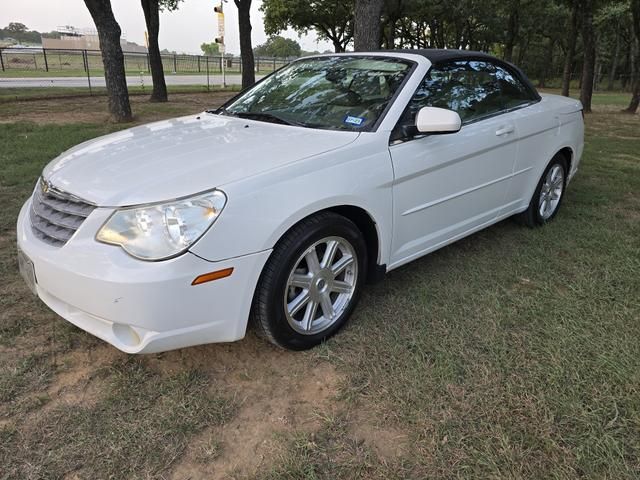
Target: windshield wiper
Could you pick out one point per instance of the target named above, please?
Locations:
(264, 117)
(217, 111)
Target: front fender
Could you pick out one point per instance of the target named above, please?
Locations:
(260, 209)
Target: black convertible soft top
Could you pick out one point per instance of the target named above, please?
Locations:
(436, 55)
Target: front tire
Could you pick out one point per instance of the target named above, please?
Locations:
(549, 193)
(311, 282)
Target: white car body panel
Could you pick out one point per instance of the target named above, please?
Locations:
(272, 202)
(178, 157)
(420, 194)
(444, 188)
(92, 284)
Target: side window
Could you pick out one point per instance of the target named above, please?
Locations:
(514, 92)
(475, 89)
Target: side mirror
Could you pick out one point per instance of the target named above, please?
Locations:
(437, 120)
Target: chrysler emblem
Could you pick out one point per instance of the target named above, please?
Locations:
(44, 186)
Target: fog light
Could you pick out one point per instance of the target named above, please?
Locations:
(126, 335)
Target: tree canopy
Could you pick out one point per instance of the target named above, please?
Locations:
(584, 42)
(20, 33)
(277, 46)
(331, 20)
(210, 48)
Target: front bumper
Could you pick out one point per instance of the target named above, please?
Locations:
(138, 306)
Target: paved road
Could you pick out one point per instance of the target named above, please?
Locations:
(132, 80)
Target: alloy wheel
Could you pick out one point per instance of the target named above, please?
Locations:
(551, 192)
(321, 285)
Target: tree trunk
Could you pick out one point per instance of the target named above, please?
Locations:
(597, 80)
(246, 51)
(112, 58)
(635, 59)
(571, 49)
(393, 11)
(522, 50)
(334, 36)
(151, 10)
(548, 64)
(589, 57)
(390, 34)
(512, 31)
(614, 63)
(367, 25)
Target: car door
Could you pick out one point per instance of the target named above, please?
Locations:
(446, 186)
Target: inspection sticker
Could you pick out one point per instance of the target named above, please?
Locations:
(357, 121)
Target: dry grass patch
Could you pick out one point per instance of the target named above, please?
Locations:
(94, 109)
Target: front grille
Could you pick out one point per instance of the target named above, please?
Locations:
(55, 215)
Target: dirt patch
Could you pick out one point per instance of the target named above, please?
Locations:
(78, 380)
(278, 392)
(387, 442)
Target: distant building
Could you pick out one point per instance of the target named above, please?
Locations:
(132, 47)
(72, 38)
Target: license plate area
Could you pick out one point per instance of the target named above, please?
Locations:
(28, 273)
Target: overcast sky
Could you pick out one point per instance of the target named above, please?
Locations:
(183, 30)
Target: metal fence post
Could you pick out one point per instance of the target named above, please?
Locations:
(46, 64)
(85, 56)
(224, 71)
(207, 58)
(175, 64)
(198, 63)
(1, 60)
(274, 64)
(35, 62)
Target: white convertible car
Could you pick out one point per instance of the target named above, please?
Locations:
(280, 205)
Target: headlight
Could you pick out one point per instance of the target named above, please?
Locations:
(163, 230)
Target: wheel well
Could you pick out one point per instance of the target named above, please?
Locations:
(567, 153)
(367, 226)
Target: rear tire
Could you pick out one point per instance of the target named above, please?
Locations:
(311, 283)
(548, 195)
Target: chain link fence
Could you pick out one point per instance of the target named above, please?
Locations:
(83, 69)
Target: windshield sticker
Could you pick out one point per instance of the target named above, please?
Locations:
(357, 121)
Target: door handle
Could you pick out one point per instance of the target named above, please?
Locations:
(505, 130)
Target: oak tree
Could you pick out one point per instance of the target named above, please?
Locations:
(246, 51)
(109, 35)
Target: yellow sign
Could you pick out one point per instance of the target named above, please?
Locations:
(220, 13)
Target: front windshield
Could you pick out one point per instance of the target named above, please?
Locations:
(338, 93)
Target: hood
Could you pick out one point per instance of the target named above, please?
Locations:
(182, 156)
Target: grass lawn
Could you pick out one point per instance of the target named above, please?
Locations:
(601, 99)
(514, 353)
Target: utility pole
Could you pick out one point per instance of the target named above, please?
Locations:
(220, 38)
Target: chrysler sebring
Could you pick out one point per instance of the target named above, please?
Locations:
(278, 206)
